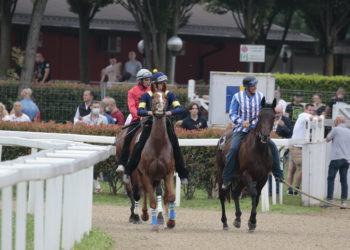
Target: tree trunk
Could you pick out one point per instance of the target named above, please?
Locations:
(5, 37)
(162, 49)
(84, 46)
(32, 44)
(329, 63)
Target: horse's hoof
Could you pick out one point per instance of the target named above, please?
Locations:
(155, 229)
(237, 223)
(160, 219)
(251, 227)
(170, 224)
(225, 228)
(145, 216)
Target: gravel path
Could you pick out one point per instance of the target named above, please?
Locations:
(202, 229)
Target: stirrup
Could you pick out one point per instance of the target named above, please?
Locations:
(120, 168)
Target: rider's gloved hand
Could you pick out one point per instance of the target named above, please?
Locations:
(279, 178)
(168, 113)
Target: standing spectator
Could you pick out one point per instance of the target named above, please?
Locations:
(103, 112)
(42, 71)
(340, 158)
(18, 115)
(132, 66)
(4, 115)
(296, 150)
(194, 121)
(282, 127)
(84, 108)
(116, 114)
(28, 106)
(94, 118)
(338, 97)
(294, 109)
(112, 71)
(280, 101)
(320, 108)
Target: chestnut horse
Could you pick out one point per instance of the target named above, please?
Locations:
(255, 164)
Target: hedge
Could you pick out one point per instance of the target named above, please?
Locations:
(199, 160)
(58, 100)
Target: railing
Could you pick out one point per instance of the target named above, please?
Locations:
(60, 191)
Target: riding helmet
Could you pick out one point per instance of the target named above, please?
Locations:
(249, 81)
(159, 77)
(143, 73)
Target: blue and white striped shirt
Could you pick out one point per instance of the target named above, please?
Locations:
(245, 108)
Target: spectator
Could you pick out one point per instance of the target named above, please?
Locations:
(116, 114)
(280, 101)
(18, 115)
(320, 108)
(28, 106)
(94, 118)
(84, 108)
(340, 158)
(294, 109)
(132, 66)
(42, 71)
(338, 97)
(282, 127)
(4, 115)
(103, 112)
(194, 121)
(112, 71)
(296, 150)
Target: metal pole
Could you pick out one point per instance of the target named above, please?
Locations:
(251, 67)
(172, 72)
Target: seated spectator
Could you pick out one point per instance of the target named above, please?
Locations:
(112, 109)
(295, 108)
(280, 101)
(194, 121)
(282, 127)
(94, 118)
(112, 71)
(4, 115)
(103, 112)
(295, 163)
(42, 70)
(338, 97)
(84, 108)
(340, 158)
(18, 115)
(28, 106)
(132, 67)
(320, 108)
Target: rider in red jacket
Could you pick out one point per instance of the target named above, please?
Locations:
(143, 77)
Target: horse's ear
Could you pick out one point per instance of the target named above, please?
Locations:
(274, 103)
(263, 102)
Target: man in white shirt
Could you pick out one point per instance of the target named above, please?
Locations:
(94, 118)
(84, 108)
(295, 162)
(112, 71)
(18, 115)
(280, 101)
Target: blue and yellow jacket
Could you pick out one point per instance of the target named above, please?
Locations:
(146, 102)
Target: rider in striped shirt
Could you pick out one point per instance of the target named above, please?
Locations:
(244, 111)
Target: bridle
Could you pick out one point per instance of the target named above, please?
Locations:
(160, 108)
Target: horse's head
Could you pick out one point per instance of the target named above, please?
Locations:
(159, 104)
(266, 120)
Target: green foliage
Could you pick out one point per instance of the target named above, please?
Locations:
(95, 240)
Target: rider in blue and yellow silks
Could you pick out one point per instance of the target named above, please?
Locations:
(244, 111)
(174, 108)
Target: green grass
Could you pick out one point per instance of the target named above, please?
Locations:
(292, 204)
(95, 240)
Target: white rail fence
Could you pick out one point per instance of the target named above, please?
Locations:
(59, 179)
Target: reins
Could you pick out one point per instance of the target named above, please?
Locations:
(118, 140)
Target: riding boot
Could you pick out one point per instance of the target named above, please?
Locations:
(232, 159)
(136, 153)
(127, 140)
(276, 168)
(178, 157)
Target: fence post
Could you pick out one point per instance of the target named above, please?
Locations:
(178, 190)
(31, 194)
(191, 89)
(0, 152)
(265, 206)
(21, 215)
(6, 223)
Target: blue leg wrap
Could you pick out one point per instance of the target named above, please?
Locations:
(172, 214)
(154, 217)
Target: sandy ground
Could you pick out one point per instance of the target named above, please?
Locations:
(202, 229)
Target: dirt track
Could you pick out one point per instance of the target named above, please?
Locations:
(202, 229)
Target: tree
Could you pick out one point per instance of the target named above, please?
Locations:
(32, 43)
(86, 10)
(254, 18)
(7, 8)
(157, 20)
(326, 18)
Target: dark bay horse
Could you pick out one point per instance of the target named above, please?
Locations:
(255, 164)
